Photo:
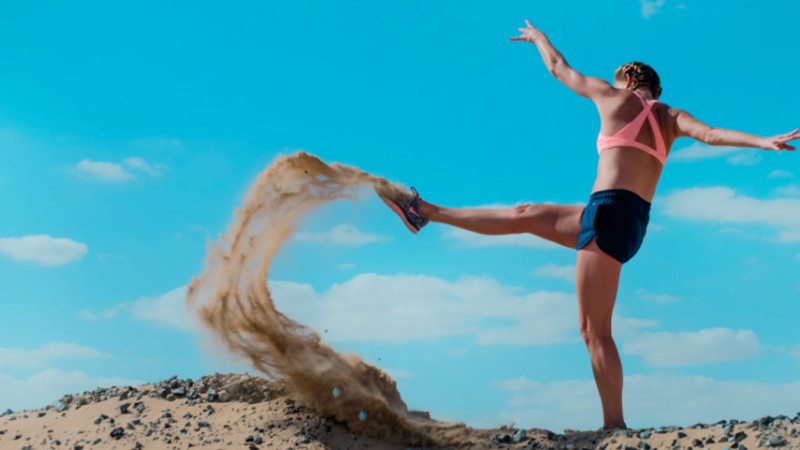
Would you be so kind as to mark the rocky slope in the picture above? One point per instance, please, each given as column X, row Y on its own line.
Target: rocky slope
column 236, row 411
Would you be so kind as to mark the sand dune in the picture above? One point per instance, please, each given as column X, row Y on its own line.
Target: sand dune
column 242, row 411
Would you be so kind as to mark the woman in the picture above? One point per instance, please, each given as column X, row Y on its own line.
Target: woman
column 636, row 134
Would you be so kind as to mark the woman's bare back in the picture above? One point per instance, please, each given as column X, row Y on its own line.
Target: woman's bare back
column 628, row 167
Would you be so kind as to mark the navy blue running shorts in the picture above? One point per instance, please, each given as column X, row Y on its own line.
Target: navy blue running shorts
column 617, row 221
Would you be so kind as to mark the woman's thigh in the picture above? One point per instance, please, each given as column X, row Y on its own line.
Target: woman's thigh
column 557, row 223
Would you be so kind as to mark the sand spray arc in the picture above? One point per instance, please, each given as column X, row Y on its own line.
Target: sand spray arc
column 233, row 301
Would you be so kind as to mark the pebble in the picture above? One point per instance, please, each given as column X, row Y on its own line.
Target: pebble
column 777, row 441
column 117, row 433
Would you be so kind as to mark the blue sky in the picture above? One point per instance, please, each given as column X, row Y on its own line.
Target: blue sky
column 128, row 135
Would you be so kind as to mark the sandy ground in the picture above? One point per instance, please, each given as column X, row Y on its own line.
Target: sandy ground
column 242, row 412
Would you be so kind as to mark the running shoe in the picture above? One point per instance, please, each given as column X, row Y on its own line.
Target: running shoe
column 406, row 205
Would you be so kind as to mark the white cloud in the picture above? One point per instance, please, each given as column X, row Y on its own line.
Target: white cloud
column 470, row 239
column 723, row 205
column 650, row 7
column 797, row 256
column 747, row 157
column 778, row 173
column 708, row 346
column 50, row 385
column 167, row 310
column 795, row 351
column 43, row 249
column 344, row 234
column 566, row 273
column 113, row 172
column 405, row 308
column 17, row 357
column 144, row 166
column 346, row 266
column 651, row 400
column 457, row 352
column 790, row 190
column 103, row 171
column 659, row 298
column 107, row 314
column 789, row 236
column 734, row 155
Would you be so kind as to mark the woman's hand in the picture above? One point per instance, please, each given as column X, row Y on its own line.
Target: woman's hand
column 779, row 142
column 529, row 34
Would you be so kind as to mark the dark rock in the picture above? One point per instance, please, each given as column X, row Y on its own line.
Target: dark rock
column 681, row 435
column 777, row 441
column 249, row 438
column 77, row 447
column 519, row 436
column 138, row 406
column 643, row 445
column 123, row 408
column 260, row 441
column 170, row 397
column 644, row 435
column 181, row 391
column 697, row 443
column 739, row 437
column 501, row 439
column 208, row 410
column 117, row 433
column 306, row 439
column 59, row 406
column 16, row 437
column 7, row 412
column 203, row 424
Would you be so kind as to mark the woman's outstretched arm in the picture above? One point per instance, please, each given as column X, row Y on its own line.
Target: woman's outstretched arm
column 589, row 87
column 688, row 126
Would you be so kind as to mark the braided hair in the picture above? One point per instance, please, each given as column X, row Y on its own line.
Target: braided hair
column 641, row 75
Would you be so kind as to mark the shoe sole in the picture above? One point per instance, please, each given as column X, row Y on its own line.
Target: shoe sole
column 399, row 212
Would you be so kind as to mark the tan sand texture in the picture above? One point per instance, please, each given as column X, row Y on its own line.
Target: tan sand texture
column 236, row 305
column 236, row 411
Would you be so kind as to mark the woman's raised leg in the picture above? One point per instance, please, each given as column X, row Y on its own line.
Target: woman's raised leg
column 596, row 282
column 557, row 223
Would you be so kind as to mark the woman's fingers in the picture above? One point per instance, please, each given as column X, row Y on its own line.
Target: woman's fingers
column 528, row 23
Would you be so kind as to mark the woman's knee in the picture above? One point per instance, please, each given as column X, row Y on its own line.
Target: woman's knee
column 593, row 335
column 520, row 216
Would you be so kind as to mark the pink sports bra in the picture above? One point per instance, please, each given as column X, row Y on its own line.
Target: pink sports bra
column 626, row 137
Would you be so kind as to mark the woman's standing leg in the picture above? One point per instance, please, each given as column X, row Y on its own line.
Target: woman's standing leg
column 557, row 223
column 597, row 280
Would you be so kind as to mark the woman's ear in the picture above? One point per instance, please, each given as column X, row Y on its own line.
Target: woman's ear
column 628, row 81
